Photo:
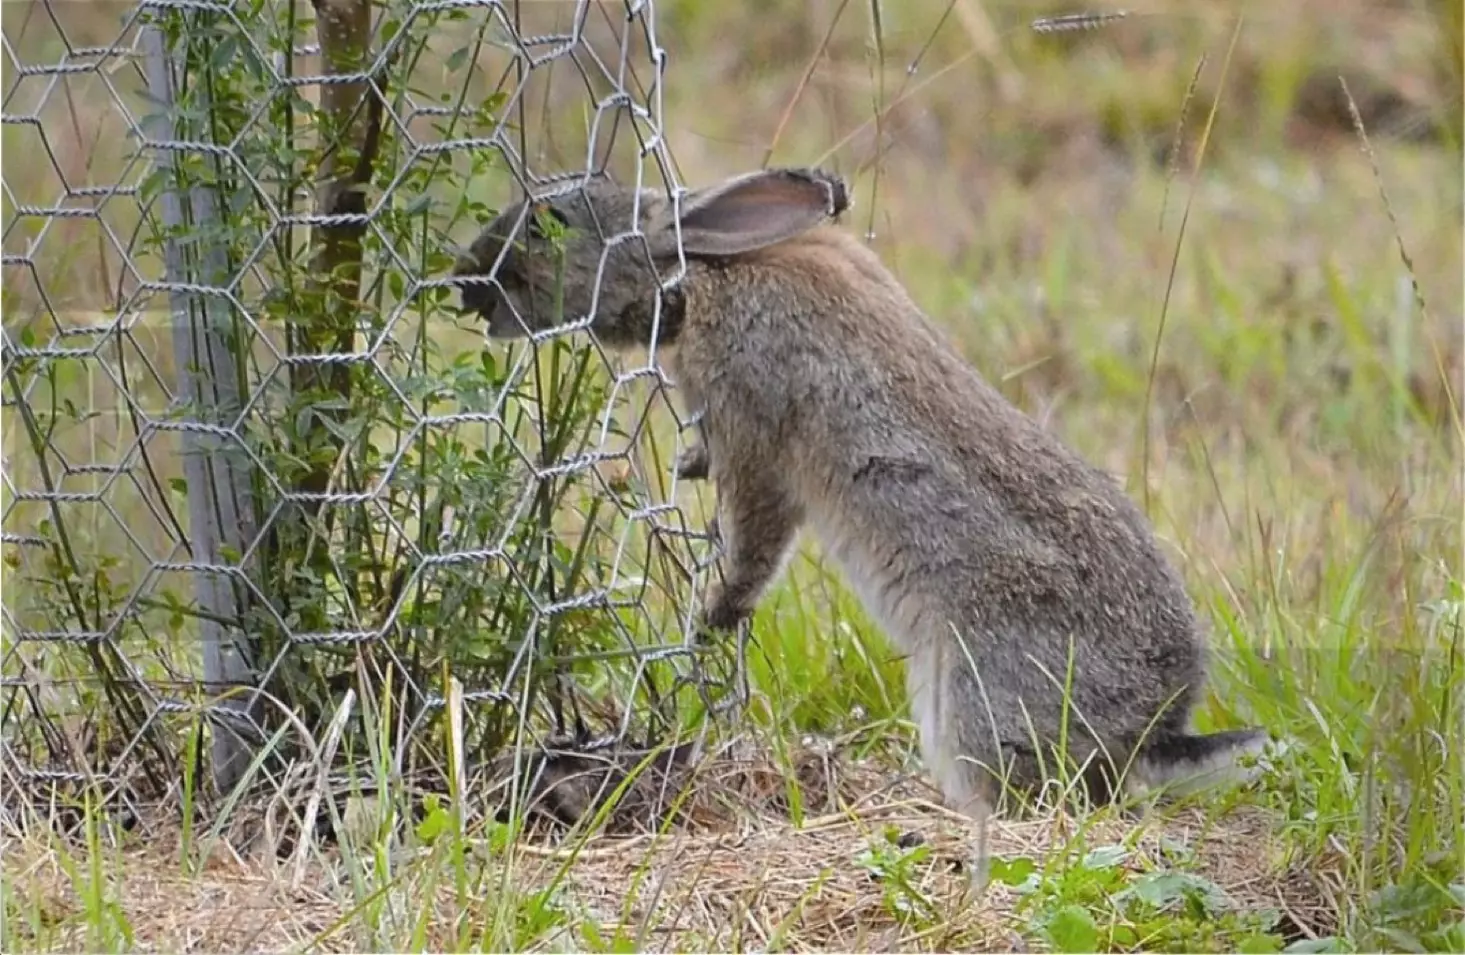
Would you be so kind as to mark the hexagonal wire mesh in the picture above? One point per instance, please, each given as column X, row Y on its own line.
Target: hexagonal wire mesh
column 260, row 478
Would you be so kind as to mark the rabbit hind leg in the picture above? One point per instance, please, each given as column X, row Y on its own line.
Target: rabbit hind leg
column 968, row 786
column 962, row 771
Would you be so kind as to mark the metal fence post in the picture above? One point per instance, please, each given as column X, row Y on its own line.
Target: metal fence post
column 220, row 503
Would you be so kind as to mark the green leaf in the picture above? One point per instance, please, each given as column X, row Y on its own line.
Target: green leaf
column 499, row 835
column 1123, row 936
column 1105, row 857
column 1161, row 891
column 872, row 862
column 1448, row 939
column 1072, row 929
column 457, row 58
column 225, row 51
column 1403, row 940
column 1306, row 946
column 542, row 911
column 1259, row 943
column 591, row 933
column 1012, row 872
column 436, row 820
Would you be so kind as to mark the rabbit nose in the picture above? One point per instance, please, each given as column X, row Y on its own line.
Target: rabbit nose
column 476, row 296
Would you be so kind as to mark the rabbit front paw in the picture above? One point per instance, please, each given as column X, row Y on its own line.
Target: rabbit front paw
column 692, row 464
column 725, row 611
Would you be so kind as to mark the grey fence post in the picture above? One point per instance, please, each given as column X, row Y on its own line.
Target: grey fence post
column 220, row 502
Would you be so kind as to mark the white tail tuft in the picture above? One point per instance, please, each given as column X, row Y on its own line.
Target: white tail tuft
column 1203, row 762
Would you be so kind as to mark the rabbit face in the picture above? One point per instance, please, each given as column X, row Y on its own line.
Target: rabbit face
column 577, row 260
column 554, row 262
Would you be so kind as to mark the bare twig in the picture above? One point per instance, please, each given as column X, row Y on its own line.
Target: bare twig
column 1175, row 263
column 803, row 83
column 1383, row 194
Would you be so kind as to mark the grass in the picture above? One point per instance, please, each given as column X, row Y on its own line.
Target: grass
column 1292, row 424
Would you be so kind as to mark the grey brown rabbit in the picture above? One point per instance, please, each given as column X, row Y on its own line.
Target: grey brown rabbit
column 984, row 547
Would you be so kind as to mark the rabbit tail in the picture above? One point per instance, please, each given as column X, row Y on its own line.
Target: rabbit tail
column 1187, row 763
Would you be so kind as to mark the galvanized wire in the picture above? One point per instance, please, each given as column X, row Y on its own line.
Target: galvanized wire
column 147, row 381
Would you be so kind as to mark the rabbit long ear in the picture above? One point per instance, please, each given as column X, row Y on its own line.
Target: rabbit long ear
column 753, row 211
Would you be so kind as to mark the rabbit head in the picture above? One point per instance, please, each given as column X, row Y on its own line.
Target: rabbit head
column 576, row 259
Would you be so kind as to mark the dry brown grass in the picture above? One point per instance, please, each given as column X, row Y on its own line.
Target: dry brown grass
column 761, row 883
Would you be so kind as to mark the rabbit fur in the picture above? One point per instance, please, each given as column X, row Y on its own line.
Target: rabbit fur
column 981, row 544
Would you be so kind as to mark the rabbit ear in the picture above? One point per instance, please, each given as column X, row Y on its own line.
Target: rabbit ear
column 753, row 211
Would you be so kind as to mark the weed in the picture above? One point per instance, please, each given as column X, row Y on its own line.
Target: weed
column 1095, row 903
column 894, row 864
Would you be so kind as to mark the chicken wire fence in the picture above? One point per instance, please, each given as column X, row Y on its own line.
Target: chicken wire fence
column 270, row 499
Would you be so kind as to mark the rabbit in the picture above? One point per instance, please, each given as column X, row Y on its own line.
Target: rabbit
column 982, row 545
